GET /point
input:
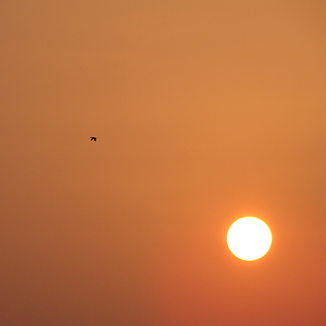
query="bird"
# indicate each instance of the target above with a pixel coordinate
(93, 138)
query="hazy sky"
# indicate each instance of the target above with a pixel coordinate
(205, 111)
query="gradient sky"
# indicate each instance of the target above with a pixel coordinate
(205, 111)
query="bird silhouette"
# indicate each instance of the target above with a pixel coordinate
(93, 138)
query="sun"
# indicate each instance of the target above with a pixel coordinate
(249, 238)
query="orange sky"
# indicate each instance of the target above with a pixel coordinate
(205, 111)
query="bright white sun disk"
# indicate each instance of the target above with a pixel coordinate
(249, 238)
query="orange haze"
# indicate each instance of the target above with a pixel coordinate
(204, 112)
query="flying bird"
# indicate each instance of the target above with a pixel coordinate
(93, 138)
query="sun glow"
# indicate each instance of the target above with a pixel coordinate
(249, 238)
